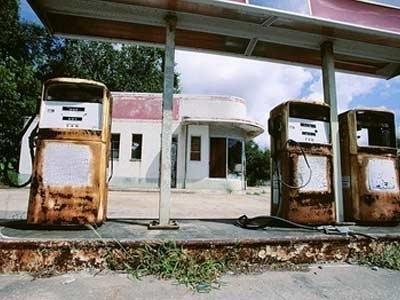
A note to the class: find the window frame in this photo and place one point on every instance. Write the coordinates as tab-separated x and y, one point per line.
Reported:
193	153
112	149
140	147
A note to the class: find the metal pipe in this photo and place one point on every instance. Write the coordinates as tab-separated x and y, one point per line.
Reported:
166	128
329	84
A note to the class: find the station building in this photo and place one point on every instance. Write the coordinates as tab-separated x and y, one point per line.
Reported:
207	145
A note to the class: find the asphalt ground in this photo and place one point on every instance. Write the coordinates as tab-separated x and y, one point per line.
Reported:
337	281
140	204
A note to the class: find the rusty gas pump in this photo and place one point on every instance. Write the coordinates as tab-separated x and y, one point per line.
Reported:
69	184
370	166
301	152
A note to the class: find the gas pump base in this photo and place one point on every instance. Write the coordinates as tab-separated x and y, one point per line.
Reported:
155	225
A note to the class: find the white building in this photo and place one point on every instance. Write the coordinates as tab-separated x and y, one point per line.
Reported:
207	145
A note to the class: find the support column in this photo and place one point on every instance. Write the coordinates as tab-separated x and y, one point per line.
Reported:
166	130
329	84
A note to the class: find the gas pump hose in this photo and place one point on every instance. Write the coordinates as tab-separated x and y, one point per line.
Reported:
261	222
31	142
281	181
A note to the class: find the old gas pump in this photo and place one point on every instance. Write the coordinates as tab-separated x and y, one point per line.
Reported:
69	184
301	151
370	166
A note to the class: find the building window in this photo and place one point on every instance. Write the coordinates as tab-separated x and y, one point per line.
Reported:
235	151
136	148
195	148
115	146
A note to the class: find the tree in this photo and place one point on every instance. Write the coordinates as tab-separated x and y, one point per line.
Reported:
119	67
257	164
29	56
19	85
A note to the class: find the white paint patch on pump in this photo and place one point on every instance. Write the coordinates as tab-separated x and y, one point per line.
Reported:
66	164
319	180
381	175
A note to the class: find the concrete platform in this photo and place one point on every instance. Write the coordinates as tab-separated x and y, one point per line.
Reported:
27	249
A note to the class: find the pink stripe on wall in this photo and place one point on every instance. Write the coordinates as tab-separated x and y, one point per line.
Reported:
357	13
141	107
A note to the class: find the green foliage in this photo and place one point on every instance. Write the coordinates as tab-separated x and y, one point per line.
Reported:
169	261
257	164
384	256
29	56
119	67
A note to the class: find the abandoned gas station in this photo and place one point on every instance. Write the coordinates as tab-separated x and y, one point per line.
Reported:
347	35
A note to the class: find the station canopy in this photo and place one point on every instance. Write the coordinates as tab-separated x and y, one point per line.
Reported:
365	34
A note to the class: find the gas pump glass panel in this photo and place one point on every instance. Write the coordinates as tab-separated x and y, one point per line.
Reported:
308	124
69	105
375	128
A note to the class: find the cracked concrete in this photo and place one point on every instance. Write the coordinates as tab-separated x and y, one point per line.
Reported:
331	281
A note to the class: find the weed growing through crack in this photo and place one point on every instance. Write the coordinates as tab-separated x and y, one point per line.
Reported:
384	256
169	261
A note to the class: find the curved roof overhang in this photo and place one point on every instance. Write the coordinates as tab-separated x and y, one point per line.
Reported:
234	28
251	129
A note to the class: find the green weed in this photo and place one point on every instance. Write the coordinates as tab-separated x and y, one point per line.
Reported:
169	261
384	256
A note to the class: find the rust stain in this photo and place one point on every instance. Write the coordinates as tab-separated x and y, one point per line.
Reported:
61	205
64	256
311	207
69	134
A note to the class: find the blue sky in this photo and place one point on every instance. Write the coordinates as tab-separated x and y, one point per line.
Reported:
247	79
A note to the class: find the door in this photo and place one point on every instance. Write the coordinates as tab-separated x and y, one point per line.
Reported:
218	157
174	158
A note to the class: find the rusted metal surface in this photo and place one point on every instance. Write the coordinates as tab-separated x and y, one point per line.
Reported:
66	204
306	206
312	207
63	256
69	184
69	134
363	204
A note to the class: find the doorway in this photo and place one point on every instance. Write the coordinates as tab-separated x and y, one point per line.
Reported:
217	157
174	159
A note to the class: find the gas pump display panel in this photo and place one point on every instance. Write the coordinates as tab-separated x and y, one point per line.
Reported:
308	124
72	106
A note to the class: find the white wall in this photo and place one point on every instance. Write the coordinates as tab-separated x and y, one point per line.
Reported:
198	170
214	107
143	172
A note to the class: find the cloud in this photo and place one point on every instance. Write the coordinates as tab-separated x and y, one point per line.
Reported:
348	88
263	85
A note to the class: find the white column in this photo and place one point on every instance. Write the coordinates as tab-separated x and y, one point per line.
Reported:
166	129
329	83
